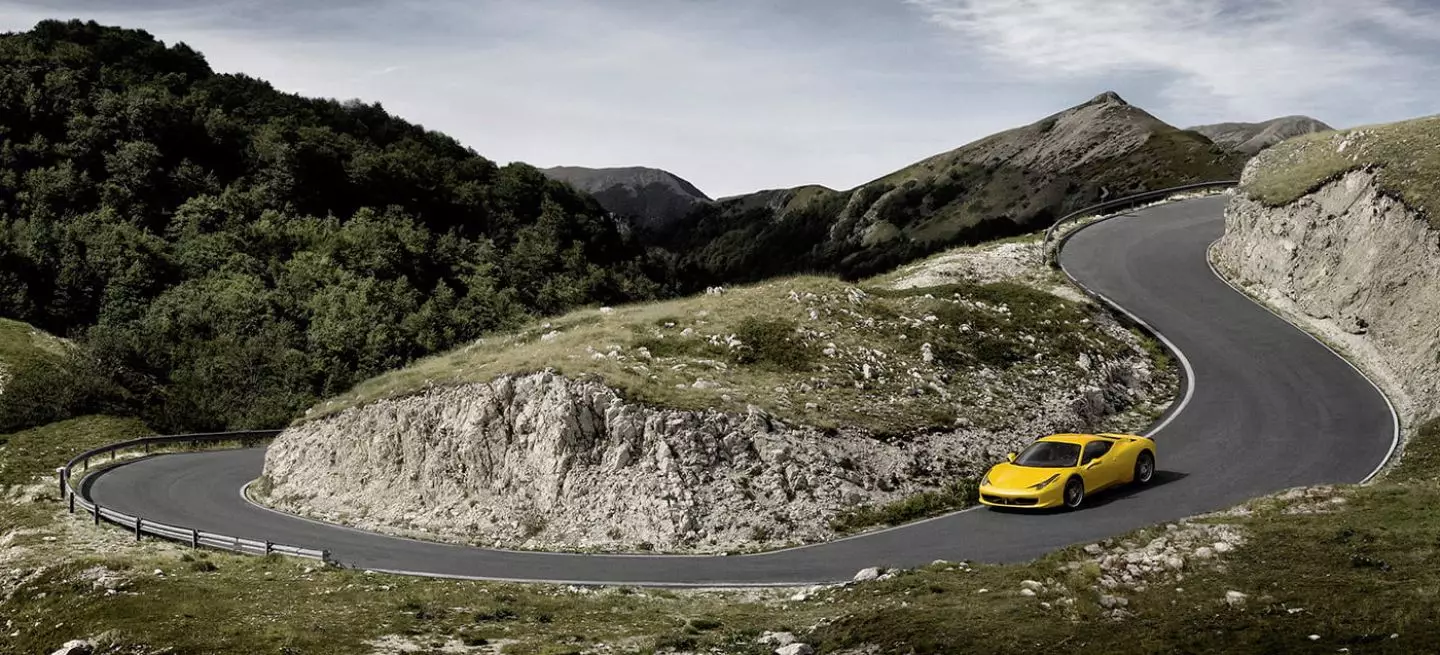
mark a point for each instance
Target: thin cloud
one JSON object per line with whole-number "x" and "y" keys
{"x": 1228, "y": 58}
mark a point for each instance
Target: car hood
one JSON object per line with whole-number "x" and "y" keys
{"x": 1010, "y": 476}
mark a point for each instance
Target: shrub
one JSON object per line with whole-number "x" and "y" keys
{"x": 771, "y": 345}
{"x": 203, "y": 566}
{"x": 955, "y": 495}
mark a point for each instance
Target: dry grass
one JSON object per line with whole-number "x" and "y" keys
{"x": 1406, "y": 156}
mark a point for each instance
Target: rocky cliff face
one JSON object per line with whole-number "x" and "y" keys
{"x": 1353, "y": 258}
{"x": 542, "y": 461}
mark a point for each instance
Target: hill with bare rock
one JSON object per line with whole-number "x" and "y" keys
{"x": 790, "y": 411}
{"x": 651, "y": 197}
{"x": 1250, "y": 138}
{"x": 1005, "y": 184}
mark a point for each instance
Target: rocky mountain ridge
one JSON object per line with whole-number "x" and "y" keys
{"x": 652, "y": 197}
{"x": 1250, "y": 138}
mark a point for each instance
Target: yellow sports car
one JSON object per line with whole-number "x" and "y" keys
{"x": 1063, "y": 469}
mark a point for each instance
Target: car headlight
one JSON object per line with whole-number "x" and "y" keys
{"x": 1046, "y": 482}
{"x": 985, "y": 481}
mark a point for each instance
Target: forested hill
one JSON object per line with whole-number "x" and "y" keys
{"x": 226, "y": 253}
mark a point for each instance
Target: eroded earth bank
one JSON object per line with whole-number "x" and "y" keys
{"x": 1355, "y": 258}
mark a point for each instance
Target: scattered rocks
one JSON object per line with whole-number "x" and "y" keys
{"x": 866, "y": 575}
{"x": 776, "y": 638}
{"x": 795, "y": 649}
{"x": 1235, "y": 598}
{"x": 76, "y": 647}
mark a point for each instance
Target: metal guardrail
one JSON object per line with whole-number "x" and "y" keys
{"x": 143, "y": 526}
{"x": 1050, "y": 246}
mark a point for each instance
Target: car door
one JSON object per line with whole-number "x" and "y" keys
{"x": 1095, "y": 466}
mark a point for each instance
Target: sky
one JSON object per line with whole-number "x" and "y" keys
{"x": 742, "y": 95}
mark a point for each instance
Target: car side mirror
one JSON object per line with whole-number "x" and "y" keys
{"x": 1010, "y": 457}
{"x": 1093, "y": 463}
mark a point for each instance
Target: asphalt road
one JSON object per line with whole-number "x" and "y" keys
{"x": 1270, "y": 408}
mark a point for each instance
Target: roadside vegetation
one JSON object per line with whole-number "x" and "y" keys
{"x": 1405, "y": 156}
{"x": 1330, "y": 569}
{"x": 950, "y": 497}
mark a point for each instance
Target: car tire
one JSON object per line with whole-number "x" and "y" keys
{"x": 1074, "y": 493}
{"x": 1144, "y": 467}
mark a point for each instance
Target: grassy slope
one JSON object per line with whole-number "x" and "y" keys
{"x": 1353, "y": 576}
{"x": 24, "y": 348}
{"x": 40, "y": 450}
{"x": 790, "y": 373}
{"x": 1406, "y": 155}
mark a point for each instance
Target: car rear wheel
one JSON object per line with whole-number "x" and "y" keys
{"x": 1074, "y": 492}
{"x": 1144, "y": 468}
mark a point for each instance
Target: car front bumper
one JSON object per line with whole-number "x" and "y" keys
{"x": 1050, "y": 496}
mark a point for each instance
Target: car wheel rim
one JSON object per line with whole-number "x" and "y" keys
{"x": 1073, "y": 495}
{"x": 1146, "y": 470}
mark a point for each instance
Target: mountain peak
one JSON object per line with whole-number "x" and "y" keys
{"x": 1108, "y": 97}
{"x": 653, "y": 196}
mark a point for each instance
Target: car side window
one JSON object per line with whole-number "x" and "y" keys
{"x": 1094, "y": 450}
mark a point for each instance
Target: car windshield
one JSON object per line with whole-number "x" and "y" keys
{"x": 1049, "y": 454}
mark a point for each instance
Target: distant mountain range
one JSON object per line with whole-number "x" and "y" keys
{"x": 1015, "y": 181}
{"x": 1250, "y": 138}
{"x": 653, "y": 198}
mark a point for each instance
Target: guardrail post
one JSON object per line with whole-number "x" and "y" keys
{"x": 60, "y": 472}
{"x": 194, "y": 538}
{"x": 147, "y": 447}
{"x": 138, "y": 521}
{"x": 96, "y": 507}
{"x": 72, "y": 503}
{"x": 267, "y": 546}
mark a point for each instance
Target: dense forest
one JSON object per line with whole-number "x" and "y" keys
{"x": 225, "y": 254}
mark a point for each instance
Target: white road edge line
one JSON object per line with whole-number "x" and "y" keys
{"x": 1394, "y": 416}
{"x": 250, "y": 501}
{"x": 1169, "y": 345}
{"x": 609, "y": 583}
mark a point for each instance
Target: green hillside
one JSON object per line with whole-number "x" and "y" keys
{"x": 226, "y": 253}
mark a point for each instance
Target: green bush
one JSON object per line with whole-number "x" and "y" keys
{"x": 953, "y": 496}
{"x": 771, "y": 345}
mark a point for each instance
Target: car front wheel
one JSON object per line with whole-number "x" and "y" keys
{"x": 1074, "y": 493}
